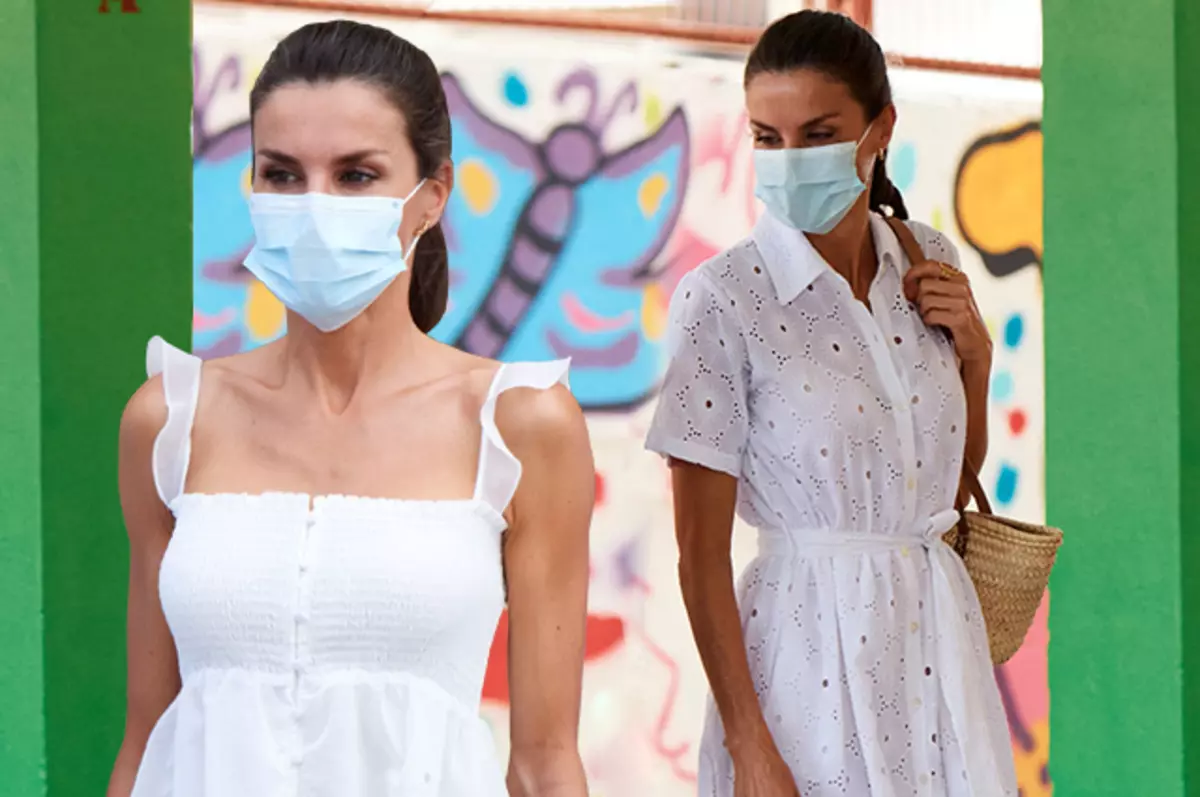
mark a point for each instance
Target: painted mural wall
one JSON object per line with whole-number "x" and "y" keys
{"x": 592, "y": 173}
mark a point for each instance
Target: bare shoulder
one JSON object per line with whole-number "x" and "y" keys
{"x": 145, "y": 413}
{"x": 546, "y": 431}
{"x": 255, "y": 365}
{"x": 535, "y": 417}
{"x": 541, "y": 422}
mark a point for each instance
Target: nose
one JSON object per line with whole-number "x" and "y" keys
{"x": 321, "y": 181}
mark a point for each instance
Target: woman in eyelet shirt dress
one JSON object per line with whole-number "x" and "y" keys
{"x": 828, "y": 390}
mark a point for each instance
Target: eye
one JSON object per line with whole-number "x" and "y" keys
{"x": 820, "y": 135}
{"x": 765, "y": 140}
{"x": 277, "y": 176}
{"x": 357, "y": 177}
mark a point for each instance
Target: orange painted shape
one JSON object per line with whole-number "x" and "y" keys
{"x": 999, "y": 192}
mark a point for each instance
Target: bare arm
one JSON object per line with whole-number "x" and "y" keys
{"x": 546, "y": 558}
{"x": 153, "y": 673}
{"x": 704, "y": 510}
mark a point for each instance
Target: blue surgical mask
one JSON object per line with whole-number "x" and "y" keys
{"x": 327, "y": 257}
{"x": 810, "y": 188}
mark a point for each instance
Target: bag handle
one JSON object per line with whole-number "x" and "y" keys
{"x": 914, "y": 253}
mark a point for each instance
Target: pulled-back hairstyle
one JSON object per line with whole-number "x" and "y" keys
{"x": 835, "y": 45}
{"x": 343, "y": 50}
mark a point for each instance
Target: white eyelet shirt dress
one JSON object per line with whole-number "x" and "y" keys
{"x": 329, "y": 646}
{"x": 845, "y": 427}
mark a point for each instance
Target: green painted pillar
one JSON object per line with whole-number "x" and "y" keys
{"x": 95, "y": 256}
{"x": 1122, "y": 289}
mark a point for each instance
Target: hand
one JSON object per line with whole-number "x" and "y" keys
{"x": 943, "y": 296}
{"x": 760, "y": 771}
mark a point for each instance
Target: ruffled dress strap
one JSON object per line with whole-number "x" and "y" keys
{"x": 500, "y": 471}
{"x": 181, "y": 387}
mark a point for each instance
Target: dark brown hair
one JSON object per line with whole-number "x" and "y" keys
{"x": 837, "y": 46}
{"x": 344, "y": 50}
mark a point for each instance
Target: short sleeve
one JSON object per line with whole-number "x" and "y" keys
{"x": 702, "y": 412}
{"x": 935, "y": 245}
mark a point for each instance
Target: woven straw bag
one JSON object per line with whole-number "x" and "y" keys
{"x": 1009, "y": 561}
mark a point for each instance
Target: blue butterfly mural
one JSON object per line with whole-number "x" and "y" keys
{"x": 552, "y": 242}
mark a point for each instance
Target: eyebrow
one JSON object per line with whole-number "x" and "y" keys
{"x": 810, "y": 123}
{"x": 350, "y": 157}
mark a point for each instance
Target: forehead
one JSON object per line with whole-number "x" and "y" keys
{"x": 804, "y": 93}
{"x": 337, "y": 116}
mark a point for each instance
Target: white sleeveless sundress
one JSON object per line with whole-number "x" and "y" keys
{"x": 329, "y": 646}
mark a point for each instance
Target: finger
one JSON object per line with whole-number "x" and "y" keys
{"x": 933, "y": 269}
{"x": 951, "y": 304}
{"x": 930, "y": 272}
{"x": 926, "y": 269}
{"x": 943, "y": 288}
{"x": 942, "y": 318}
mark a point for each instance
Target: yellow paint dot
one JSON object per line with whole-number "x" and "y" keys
{"x": 935, "y": 219}
{"x": 479, "y": 186}
{"x": 654, "y": 312}
{"x": 651, "y": 193}
{"x": 653, "y": 112}
{"x": 265, "y": 315}
{"x": 247, "y": 181}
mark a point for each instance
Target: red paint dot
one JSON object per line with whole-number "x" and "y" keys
{"x": 599, "y": 489}
{"x": 1017, "y": 421}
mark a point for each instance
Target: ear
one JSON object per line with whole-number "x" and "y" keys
{"x": 886, "y": 125}
{"x": 441, "y": 183}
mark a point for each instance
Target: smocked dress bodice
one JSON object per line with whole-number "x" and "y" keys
{"x": 328, "y": 645}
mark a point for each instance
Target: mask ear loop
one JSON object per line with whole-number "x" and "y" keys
{"x": 424, "y": 228}
{"x": 412, "y": 246}
{"x": 871, "y": 167}
{"x": 413, "y": 192}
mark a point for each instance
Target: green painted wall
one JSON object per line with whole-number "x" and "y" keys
{"x": 100, "y": 218}
{"x": 1122, "y": 216}
{"x": 22, "y": 731}
{"x": 1187, "y": 99}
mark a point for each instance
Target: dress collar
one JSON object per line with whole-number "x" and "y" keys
{"x": 793, "y": 263}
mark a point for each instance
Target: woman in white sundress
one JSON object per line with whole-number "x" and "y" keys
{"x": 324, "y": 530}
{"x": 828, "y": 390}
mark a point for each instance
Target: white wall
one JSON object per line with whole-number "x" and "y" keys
{"x": 989, "y": 31}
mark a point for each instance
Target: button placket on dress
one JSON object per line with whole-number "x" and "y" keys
{"x": 300, "y": 630}
{"x": 899, "y": 396}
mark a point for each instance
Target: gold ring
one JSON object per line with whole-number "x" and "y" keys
{"x": 948, "y": 273}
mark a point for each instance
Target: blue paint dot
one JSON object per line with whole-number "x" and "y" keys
{"x": 1006, "y": 484}
{"x": 515, "y": 90}
{"x": 902, "y": 166}
{"x": 1002, "y": 386}
{"x": 1014, "y": 330}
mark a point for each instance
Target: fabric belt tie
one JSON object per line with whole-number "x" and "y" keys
{"x": 964, "y": 701}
